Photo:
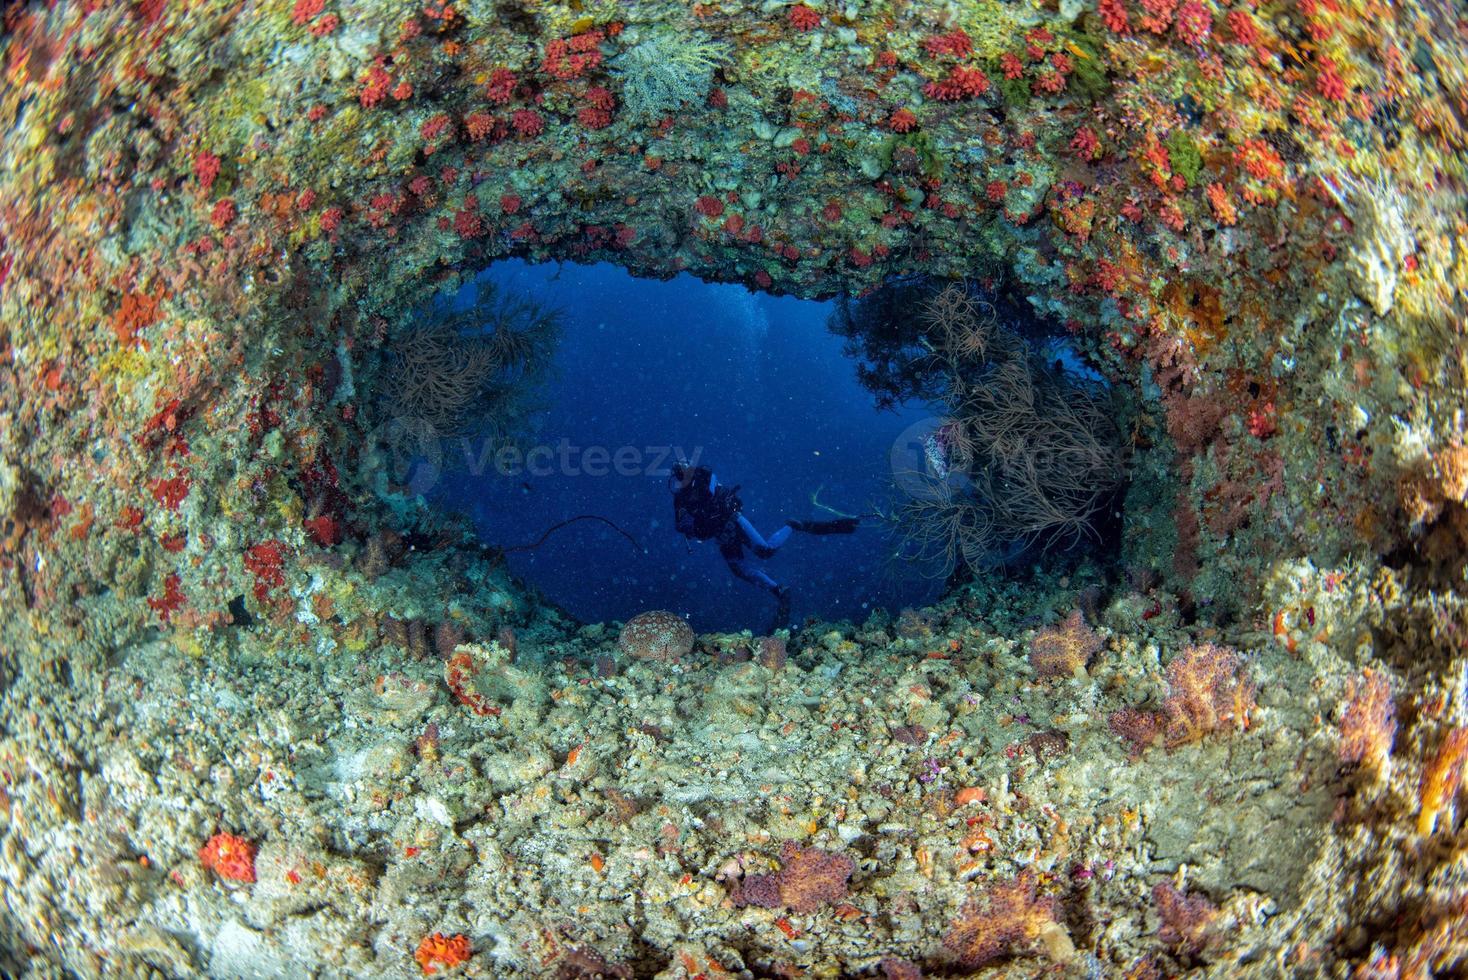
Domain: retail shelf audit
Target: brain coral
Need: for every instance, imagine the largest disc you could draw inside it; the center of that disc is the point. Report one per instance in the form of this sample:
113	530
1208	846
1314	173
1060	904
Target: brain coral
656	635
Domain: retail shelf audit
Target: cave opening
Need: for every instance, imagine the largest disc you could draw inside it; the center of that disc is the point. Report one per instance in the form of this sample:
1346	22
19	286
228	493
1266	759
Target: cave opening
551	406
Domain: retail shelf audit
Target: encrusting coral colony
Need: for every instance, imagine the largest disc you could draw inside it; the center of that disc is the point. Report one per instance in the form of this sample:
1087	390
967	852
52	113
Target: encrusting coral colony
265	714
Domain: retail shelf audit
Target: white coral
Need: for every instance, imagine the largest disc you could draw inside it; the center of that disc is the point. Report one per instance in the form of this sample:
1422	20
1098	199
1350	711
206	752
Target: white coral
1383	239
662	70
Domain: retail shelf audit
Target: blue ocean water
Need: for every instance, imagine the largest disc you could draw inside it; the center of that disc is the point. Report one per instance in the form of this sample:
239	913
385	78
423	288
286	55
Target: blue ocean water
753	386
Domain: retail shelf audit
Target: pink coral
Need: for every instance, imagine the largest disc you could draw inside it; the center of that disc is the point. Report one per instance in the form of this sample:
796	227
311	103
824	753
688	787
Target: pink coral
1064	649
435	126
1187	920
1050	82
171	600
962	83
1007	919
569	58
1113	15
1085	143
1370	722
1241	25
956	43
1194	23
1329	82
306	11
1207	693
440	952
265	562
1193	420
467	223
527	123
1157	15
375	85
501	86
1137	727
808	878
223	213
230	857
479	126
803	18
597	114
206	168
1259	160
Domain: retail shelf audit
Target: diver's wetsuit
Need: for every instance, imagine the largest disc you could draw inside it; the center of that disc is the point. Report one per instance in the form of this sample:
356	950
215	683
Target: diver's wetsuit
703	509
738	534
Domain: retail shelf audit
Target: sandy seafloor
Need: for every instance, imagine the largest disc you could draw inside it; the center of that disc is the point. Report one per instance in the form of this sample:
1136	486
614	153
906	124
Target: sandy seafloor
606	815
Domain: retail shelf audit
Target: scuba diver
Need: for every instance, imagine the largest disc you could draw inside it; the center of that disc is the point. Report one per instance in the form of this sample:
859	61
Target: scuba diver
703	509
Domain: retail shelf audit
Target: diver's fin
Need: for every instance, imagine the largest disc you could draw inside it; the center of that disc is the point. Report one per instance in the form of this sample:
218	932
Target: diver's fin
782	610
843	525
815	501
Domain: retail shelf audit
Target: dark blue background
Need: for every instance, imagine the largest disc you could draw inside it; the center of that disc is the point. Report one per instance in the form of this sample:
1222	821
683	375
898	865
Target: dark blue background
754	382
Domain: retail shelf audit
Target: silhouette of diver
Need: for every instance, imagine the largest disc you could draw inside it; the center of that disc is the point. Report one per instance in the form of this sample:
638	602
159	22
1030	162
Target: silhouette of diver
703	508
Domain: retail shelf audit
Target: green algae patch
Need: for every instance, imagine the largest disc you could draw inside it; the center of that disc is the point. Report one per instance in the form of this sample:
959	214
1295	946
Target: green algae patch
922	149
1183	155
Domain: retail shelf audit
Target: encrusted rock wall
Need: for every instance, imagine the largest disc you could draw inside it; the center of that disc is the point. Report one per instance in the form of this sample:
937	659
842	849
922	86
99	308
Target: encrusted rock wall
210	210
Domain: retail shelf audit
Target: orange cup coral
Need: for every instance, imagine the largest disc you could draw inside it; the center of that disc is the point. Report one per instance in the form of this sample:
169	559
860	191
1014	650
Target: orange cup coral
440	952
231	858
